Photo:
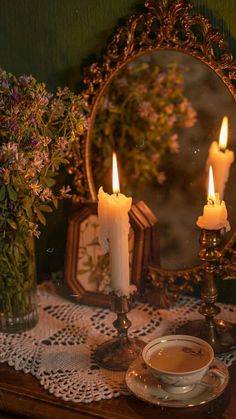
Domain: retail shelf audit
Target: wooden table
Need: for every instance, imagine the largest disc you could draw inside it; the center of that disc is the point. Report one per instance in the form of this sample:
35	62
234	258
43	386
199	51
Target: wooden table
22	395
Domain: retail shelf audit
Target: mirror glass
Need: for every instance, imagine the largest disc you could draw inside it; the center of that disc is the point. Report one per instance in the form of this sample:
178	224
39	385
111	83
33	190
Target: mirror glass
160	114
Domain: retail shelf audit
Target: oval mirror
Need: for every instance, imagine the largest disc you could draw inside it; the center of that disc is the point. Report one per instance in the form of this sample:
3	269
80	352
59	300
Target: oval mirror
160	113
169	131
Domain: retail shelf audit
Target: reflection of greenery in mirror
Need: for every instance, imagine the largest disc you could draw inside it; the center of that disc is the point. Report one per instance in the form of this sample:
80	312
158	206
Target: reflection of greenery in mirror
141	111
179	199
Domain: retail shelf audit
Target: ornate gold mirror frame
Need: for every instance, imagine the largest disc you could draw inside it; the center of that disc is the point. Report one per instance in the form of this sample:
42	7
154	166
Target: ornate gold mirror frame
163	25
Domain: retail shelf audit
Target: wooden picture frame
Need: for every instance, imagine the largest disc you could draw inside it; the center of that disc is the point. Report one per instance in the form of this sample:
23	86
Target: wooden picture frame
87	268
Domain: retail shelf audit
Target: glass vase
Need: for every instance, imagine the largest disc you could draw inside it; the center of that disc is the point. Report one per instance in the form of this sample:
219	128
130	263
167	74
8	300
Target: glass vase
18	305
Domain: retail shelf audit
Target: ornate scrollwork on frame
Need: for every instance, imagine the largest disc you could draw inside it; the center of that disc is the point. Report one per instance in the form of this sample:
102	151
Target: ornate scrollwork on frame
162	25
170	284
227	266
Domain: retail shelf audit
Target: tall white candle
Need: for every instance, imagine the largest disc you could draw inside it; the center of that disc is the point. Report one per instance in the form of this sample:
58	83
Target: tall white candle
113	232
221	159
214	213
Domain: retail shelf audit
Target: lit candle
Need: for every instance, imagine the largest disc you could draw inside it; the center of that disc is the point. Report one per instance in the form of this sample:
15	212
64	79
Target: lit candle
214	213
221	159
113	232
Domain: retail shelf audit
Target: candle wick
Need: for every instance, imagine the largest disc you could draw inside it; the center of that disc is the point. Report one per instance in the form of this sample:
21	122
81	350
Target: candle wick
222	150
211	202
117	193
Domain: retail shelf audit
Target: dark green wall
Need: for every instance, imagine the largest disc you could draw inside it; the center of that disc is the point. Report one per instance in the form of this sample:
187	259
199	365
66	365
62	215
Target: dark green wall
51	39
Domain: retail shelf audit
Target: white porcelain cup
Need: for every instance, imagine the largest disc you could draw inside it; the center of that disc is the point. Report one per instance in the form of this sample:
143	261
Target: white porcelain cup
178	362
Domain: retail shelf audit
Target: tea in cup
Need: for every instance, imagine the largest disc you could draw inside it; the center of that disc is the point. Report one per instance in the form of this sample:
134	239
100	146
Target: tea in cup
178	362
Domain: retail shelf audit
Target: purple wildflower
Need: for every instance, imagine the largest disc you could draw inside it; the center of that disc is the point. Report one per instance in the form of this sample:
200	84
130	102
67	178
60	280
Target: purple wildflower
174	145
155	158
107	104
161	177
153	117
36	188
30	173
122	82
191	116
15	96
5	173
33	117
46	194
63	92
33	230
25	80
63	143
143	88
5	84
144	109
161	77
11	125
13	206
31	141
64	192
42	99
171	120
10	148
45	141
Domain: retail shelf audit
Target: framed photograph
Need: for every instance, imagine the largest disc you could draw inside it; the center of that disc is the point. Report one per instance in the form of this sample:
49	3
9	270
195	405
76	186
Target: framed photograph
87	268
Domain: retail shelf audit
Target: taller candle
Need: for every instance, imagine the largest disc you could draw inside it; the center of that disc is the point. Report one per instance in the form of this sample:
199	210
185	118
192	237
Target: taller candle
114	230
221	159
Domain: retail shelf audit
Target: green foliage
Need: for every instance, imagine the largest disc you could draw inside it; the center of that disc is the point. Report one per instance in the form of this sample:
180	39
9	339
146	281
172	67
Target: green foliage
38	132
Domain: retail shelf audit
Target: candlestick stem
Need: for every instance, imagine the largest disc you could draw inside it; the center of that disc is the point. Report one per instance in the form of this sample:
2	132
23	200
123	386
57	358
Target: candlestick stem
210	241
122	323
118	353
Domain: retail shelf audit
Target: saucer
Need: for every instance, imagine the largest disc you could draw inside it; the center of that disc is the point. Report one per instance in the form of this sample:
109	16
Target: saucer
144	386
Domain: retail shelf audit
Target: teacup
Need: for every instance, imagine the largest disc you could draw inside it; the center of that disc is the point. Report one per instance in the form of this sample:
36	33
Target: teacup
178	362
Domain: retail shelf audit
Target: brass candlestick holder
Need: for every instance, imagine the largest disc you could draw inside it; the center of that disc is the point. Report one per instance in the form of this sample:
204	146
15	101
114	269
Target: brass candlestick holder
220	334
118	353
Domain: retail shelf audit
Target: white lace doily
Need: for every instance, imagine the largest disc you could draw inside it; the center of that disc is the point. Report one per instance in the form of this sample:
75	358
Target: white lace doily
59	350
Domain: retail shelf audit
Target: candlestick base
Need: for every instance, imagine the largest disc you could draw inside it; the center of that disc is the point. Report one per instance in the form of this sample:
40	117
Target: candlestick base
220	334
118	353
114	356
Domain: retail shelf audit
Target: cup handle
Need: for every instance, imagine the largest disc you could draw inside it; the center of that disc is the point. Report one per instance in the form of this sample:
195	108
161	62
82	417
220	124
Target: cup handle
215	372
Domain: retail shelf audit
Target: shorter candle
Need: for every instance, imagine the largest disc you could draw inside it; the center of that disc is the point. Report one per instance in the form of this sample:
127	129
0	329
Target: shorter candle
113	232
214	213
220	159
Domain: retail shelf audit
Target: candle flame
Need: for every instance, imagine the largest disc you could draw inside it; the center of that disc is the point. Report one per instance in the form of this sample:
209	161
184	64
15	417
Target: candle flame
115	176
223	134
211	189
